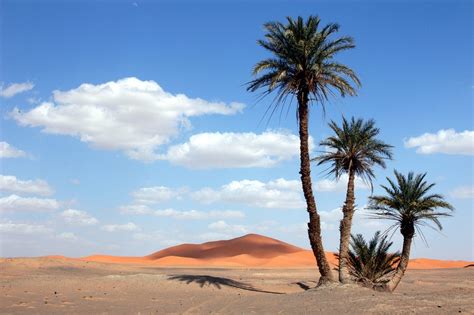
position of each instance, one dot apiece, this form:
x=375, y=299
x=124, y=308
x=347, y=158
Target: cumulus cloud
x=444, y=141
x=280, y=193
x=234, y=150
x=333, y=185
x=128, y=227
x=181, y=214
x=135, y=209
x=23, y=228
x=156, y=194
x=14, y=185
x=17, y=203
x=15, y=88
x=129, y=115
x=157, y=238
x=221, y=225
x=9, y=151
x=330, y=219
x=198, y=215
x=78, y=217
x=463, y=192
x=68, y=236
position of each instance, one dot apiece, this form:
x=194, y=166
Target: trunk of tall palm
x=345, y=229
x=392, y=284
x=314, y=225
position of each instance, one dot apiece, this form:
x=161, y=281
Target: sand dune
x=257, y=246
x=251, y=250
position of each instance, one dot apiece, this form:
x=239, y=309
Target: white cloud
x=330, y=219
x=17, y=203
x=295, y=229
x=78, y=217
x=463, y=192
x=280, y=193
x=198, y=215
x=156, y=194
x=228, y=228
x=23, y=228
x=135, y=209
x=234, y=150
x=444, y=141
x=333, y=185
x=128, y=227
x=68, y=236
x=8, y=151
x=15, y=88
x=214, y=236
x=331, y=216
x=130, y=115
x=14, y=185
x=157, y=237
x=182, y=215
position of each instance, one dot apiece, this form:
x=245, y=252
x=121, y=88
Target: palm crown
x=409, y=204
x=354, y=147
x=303, y=61
x=371, y=262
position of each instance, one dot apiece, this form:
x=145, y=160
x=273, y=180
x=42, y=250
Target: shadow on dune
x=218, y=282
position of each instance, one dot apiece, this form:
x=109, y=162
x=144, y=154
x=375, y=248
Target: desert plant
x=410, y=205
x=303, y=66
x=371, y=263
x=353, y=150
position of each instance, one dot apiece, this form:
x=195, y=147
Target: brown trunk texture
x=345, y=230
x=402, y=265
x=314, y=225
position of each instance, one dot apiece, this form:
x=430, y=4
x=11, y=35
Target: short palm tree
x=409, y=203
x=371, y=263
x=353, y=150
x=303, y=66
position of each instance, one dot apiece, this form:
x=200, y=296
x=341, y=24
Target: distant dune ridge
x=251, y=250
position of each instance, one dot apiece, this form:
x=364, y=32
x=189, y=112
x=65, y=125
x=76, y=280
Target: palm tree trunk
x=402, y=265
x=314, y=225
x=345, y=229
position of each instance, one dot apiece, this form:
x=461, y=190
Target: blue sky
x=126, y=126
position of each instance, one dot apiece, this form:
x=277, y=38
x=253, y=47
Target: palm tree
x=371, y=263
x=408, y=203
x=353, y=150
x=303, y=65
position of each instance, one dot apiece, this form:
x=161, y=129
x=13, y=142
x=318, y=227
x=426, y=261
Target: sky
x=126, y=126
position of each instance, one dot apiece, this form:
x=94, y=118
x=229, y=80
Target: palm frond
x=409, y=204
x=354, y=147
x=303, y=61
x=371, y=263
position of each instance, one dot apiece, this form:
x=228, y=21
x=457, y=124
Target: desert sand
x=265, y=281
x=251, y=250
x=57, y=285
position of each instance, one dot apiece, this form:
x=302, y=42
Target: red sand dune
x=251, y=250
x=252, y=244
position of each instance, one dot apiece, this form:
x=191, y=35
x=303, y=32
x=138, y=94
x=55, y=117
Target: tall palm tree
x=408, y=203
x=371, y=263
x=353, y=150
x=303, y=65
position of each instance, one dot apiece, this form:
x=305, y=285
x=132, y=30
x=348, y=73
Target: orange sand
x=251, y=250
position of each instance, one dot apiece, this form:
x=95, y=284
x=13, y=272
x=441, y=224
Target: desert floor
x=55, y=285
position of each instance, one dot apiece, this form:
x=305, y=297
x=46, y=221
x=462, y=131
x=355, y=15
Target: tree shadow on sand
x=304, y=285
x=218, y=282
